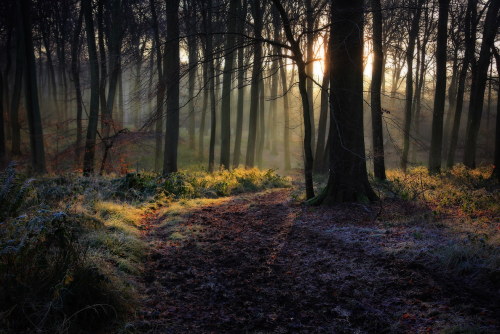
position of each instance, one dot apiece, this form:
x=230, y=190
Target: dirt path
x=261, y=264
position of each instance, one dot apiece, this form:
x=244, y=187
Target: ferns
x=13, y=192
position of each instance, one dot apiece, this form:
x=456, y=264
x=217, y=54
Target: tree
x=31, y=91
x=409, y=83
x=376, y=103
x=496, y=161
x=297, y=56
x=241, y=89
x=75, y=72
x=470, y=43
x=254, y=88
x=478, y=84
x=440, y=92
x=226, y=86
x=348, y=179
x=172, y=72
x=90, y=142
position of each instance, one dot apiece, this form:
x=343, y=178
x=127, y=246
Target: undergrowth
x=467, y=203
x=71, y=247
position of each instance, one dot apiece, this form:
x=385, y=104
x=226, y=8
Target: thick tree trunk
x=114, y=54
x=225, y=150
x=376, y=103
x=348, y=179
x=440, y=91
x=254, y=89
x=409, y=84
x=31, y=92
x=160, y=92
x=172, y=72
x=470, y=38
x=90, y=142
x=479, y=84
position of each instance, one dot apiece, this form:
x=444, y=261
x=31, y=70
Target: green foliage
x=70, y=246
x=65, y=257
x=459, y=190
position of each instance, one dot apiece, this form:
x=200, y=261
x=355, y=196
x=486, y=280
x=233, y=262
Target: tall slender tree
x=93, y=114
x=31, y=91
x=478, y=85
x=440, y=92
x=172, y=72
x=225, y=152
x=376, y=103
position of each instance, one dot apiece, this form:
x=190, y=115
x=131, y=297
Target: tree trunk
x=440, y=90
x=31, y=92
x=479, y=84
x=254, y=89
x=286, y=117
x=192, y=64
x=348, y=179
x=201, y=135
x=3, y=156
x=470, y=41
x=301, y=69
x=172, y=72
x=90, y=143
x=16, y=92
x=160, y=92
x=75, y=72
x=241, y=90
x=496, y=160
x=115, y=43
x=225, y=151
x=376, y=103
x=310, y=21
x=319, y=161
x=102, y=60
x=409, y=84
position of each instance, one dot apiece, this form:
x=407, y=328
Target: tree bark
x=496, y=160
x=348, y=179
x=470, y=42
x=409, y=84
x=241, y=89
x=31, y=92
x=90, y=142
x=16, y=92
x=376, y=103
x=172, y=72
x=75, y=72
x=254, y=89
x=479, y=84
x=225, y=150
x=440, y=90
x=319, y=157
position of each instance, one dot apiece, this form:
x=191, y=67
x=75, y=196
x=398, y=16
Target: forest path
x=261, y=263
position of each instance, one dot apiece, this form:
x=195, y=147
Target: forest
x=249, y=166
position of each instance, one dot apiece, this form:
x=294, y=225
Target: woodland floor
x=262, y=263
